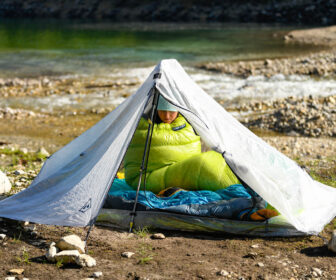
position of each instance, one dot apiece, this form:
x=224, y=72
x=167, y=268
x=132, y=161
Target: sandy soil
x=178, y=256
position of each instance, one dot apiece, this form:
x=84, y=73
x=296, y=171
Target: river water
x=116, y=52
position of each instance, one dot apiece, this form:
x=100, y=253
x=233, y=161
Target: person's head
x=166, y=111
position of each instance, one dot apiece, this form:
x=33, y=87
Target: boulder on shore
x=71, y=242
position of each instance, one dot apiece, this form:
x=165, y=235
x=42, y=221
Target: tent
x=72, y=184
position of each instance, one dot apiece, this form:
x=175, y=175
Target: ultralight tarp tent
x=71, y=186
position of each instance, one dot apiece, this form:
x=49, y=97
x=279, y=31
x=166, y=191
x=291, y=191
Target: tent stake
x=87, y=237
x=145, y=155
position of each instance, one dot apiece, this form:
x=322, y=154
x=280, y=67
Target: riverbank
x=299, y=12
x=321, y=64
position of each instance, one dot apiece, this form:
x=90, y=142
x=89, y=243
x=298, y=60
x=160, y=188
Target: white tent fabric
x=72, y=184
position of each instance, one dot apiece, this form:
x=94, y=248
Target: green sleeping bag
x=176, y=160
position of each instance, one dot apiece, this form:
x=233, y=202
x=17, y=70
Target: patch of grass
x=24, y=258
x=59, y=263
x=68, y=230
x=19, y=157
x=142, y=232
x=17, y=239
x=145, y=253
x=325, y=175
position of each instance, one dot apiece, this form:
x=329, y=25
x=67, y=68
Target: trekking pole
x=145, y=155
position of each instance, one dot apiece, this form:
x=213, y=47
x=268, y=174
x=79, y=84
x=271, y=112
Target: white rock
x=71, y=242
x=84, y=260
x=25, y=278
x=2, y=236
x=67, y=256
x=158, y=236
x=16, y=271
x=223, y=273
x=332, y=242
x=19, y=172
x=5, y=185
x=52, y=251
x=30, y=228
x=127, y=254
x=260, y=264
x=97, y=274
x=10, y=278
x=317, y=271
x=43, y=152
x=255, y=246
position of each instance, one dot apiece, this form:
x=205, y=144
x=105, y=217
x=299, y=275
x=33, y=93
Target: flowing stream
x=117, y=52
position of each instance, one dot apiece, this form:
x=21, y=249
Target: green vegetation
x=17, y=239
x=145, y=253
x=322, y=171
x=19, y=157
x=59, y=263
x=142, y=232
x=24, y=258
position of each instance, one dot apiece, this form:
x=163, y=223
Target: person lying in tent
x=176, y=161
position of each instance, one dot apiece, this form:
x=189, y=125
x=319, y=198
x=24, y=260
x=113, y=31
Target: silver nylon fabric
x=73, y=182
x=70, y=188
x=305, y=203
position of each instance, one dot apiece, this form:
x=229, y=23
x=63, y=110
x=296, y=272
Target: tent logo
x=86, y=206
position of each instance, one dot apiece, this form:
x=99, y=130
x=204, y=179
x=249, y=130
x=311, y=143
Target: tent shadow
x=209, y=235
x=320, y=251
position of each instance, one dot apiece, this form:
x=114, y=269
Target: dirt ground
x=178, y=256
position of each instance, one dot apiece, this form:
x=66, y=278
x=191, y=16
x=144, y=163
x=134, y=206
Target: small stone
x=5, y=184
x=19, y=172
x=127, y=254
x=30, y=228
x=222, y=273
x=51, y=253
x=255, y=246
x=84, y=260
x=251, y=255
x=25, y=278
x=16, y=271
x=42, y=151
x=10, y=278
x=2, y=236
x=317, y=271
x=97, y=274
x=158, y=236
x=260, y=264
x=24, y=223
x=71, y=242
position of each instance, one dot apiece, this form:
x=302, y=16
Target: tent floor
x=120, y=219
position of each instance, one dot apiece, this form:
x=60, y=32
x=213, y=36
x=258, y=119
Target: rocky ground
x=177, y=256
x=46, y=86
x=296, y=116
x=317, y=64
